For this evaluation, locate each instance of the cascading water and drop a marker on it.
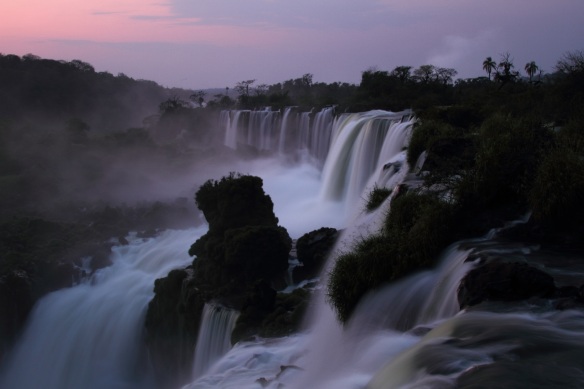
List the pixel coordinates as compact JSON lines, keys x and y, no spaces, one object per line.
{"x":214,"y":338}
{"x":288,"y":136}
{"x":407,"y":334}
{"x":293,"y":133}
{"x":362,"y":145}
{"x":89,"y":336}
{"x":263,"y":132}
{"x":320,"y":139}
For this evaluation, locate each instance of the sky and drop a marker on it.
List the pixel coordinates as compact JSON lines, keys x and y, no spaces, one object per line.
{"x":199,"y":44}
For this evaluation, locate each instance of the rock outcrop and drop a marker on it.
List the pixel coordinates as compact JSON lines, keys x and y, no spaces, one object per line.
{"x":313,"y":249}
{"x":238,"y":262}
{"x":504,"y":281}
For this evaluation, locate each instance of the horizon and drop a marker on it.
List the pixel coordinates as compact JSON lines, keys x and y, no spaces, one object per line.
{"x":207,"y":46}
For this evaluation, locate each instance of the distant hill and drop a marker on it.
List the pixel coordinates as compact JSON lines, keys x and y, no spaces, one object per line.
{"x":32,"y":89}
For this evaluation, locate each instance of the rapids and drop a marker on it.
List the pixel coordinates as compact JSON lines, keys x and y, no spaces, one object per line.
{"x":409,"y":334}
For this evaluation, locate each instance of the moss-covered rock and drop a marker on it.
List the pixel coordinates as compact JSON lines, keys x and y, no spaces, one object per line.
{"x":286,"y":317}
{"x":235,"y":201}
{"x":37,"y":256}
{"x":259,"y":302}
{"x":312,"y":250}
{"x":244,"y":243}
{"x":237,"y":261}
{"x":270,"y":314}
{"x":172,"y":325}
{"x":504,"y":281}
{"x":416,"y":229}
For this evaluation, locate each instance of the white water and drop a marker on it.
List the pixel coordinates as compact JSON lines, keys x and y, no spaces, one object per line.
{"x":89,"y":336}
{"x":290,"y":133}
{"x":214,"y":338}
{"x":362,"y":145}
{"x":328,"y":356}
{"x":410,"y":335}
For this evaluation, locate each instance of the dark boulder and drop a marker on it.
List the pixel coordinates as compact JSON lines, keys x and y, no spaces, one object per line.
{"x":244,"y":243}
{"x":16,"y":301}
{"x":313,"y":249}
{"x":504,"y":281}
{"x":270,"y":314}
{"x":240,"y":258}
{"x":235,"y":201}
{"x":172,"y":325}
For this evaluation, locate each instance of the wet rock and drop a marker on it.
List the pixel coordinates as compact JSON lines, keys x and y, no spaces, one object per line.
{"x":172,"y":324}
{"x":504,"y":281}
{"x":312,"y":250}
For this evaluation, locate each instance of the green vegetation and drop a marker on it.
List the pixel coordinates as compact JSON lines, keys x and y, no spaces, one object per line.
{"x":376,"y":197}
{"x":417,"y":227}
{"x":494,"y":150}
{"x":244,"y":243}
{"x":238,"y":263}
{"x":496,"y":146}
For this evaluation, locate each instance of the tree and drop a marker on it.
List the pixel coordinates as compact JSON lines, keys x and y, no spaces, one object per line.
{"x":425,"y":73}
{"x":171,"y":105}
{"x":445,"y":75}
{"x":571,"y":62}
{"x":307,"y":80}
{"x":505,"y":72}
{"x":198,"y":97}
{"x":242,"y":87}
{"x":30,"y":57}
{"x":531,"y":68}
{"x":261,"y":89}
{"x":402,"y":73}
{"x":489,"y":66}
{"x":83,"y":66}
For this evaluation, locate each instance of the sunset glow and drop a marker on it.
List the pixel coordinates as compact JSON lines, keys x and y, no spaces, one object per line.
{"x":199,"y":44}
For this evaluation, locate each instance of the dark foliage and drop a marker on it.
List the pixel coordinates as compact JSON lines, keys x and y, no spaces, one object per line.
{"x":235,"y":201}
{"x":172,"y":325}
{"x":416,"y":229}
{"x":376,"y":197}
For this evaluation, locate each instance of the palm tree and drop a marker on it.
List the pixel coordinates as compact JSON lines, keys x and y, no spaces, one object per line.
{"x":489,"y":65}
{"x":531,"y":68}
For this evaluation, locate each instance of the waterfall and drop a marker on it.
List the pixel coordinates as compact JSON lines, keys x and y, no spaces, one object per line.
{"x":406,"y":334}
{"x":292,"y":133}
{"x":487,"y":349}
{"x":287,"y":134}
{"x":422,"y":298}
{"x":321,"y":134}
{"x":304,"y":130}
{"x":362,"y":145}
{"x":90,"y":335}
{"x":214,"y":338}
{"x":231,"y":128}
{"x":262,"y":131}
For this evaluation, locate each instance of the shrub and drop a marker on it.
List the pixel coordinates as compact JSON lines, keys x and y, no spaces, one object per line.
{"x":421,"y":136}
{"x":244,"y":244}
{"x":571,"y":136}
{"x":417,"y":228}
{"x":509,"y":151}
{"x":376,"y":197}
{"x":558,"y":191}
{"x":235,"y":201}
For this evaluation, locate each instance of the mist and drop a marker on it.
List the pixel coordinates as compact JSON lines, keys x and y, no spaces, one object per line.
{"x":137,"y":167}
